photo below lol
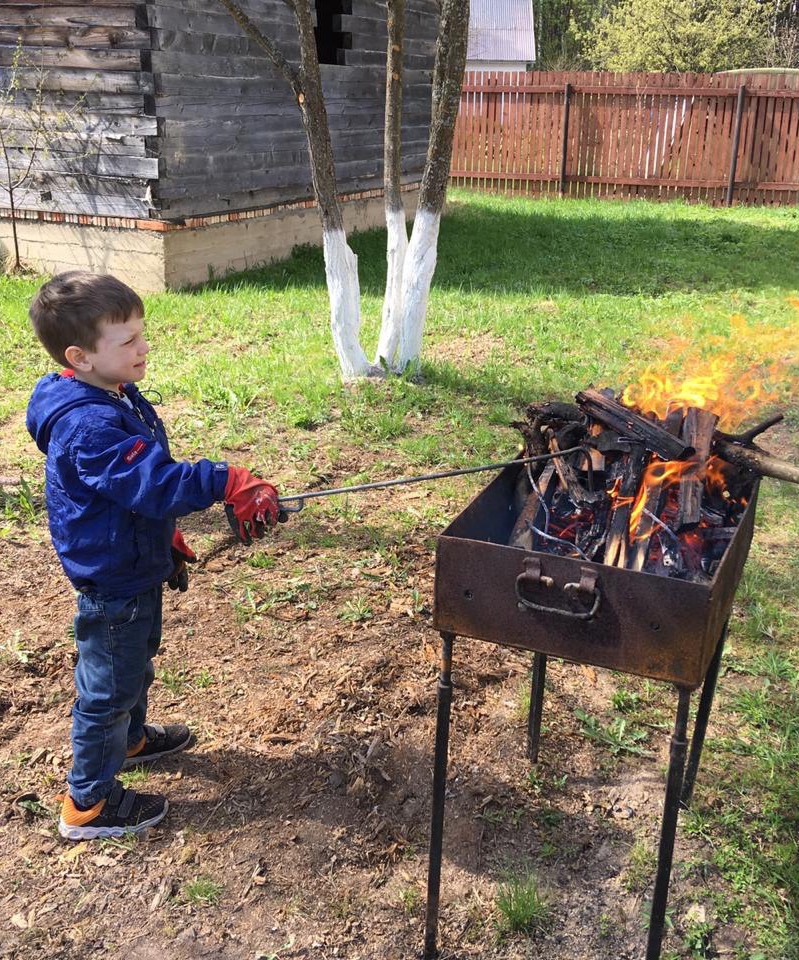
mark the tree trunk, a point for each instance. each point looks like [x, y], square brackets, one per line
[420, 261]
[10, 186]
[397, 233]
[410, 265]
[341, 264]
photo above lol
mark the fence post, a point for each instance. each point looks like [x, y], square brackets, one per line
[564, 135]
[736, 142]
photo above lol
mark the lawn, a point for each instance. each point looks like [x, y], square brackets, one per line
[307, 665]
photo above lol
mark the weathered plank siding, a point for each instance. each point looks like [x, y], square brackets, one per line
[230, 132]
[91, 62]
[176, 113]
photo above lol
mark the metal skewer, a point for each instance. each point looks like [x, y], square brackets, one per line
[295, 502]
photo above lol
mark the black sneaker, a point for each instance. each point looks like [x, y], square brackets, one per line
[123, 811]
[157, 742]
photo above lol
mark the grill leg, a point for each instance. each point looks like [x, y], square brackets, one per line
[671, 809]
[439, 789]
[702, 715]
[536, 705]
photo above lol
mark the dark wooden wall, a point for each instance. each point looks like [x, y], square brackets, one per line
[230, 131]
[166, 109]
[89, 60]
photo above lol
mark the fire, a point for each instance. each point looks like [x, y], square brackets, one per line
[715, 480]
[661, 474]
[732, 382]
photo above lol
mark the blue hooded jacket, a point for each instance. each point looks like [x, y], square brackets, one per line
[113, 490]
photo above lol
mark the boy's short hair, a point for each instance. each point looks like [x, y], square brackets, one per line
[68, 310]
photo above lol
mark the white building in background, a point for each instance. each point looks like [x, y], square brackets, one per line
[501, 35]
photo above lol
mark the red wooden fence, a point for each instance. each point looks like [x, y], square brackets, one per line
[718, 138]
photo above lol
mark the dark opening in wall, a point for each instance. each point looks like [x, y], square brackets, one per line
[331, 40]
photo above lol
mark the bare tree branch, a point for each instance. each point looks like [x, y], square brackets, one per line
[287, 71]
[757, 459]
[392, 134]
[453, 31]
[314, 117]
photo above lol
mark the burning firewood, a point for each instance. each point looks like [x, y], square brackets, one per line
[656, 495]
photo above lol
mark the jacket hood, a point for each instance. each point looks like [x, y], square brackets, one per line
[55, 395]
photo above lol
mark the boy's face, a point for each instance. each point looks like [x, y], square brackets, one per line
[119, 356]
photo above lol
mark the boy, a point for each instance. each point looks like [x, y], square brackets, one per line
[113, 492]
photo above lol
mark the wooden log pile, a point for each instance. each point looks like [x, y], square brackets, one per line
[662, 496]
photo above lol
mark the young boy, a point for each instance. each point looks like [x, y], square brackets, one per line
[113, 492]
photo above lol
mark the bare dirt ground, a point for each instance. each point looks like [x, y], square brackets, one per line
[305, 801]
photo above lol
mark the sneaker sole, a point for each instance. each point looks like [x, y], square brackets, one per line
[129, 762]
[95, 833]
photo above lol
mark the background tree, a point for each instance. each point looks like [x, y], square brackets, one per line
[561, 27]
[411, 264]
[783, 45]
[30, 132]
[683, 35]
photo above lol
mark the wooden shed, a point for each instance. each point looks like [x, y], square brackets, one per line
[179, 153]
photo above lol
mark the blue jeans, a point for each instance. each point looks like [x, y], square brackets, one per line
[117, 640]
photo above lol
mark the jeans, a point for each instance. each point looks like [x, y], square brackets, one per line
[117, 640]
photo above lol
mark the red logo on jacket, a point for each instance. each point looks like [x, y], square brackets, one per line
[135, 450]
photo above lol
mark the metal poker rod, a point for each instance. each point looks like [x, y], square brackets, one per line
[295, 502]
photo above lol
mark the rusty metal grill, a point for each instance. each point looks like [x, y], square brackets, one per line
[639, 623]
[654, 626]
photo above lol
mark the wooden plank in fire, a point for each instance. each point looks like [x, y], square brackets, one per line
[617, 543]
[698, 428]
[674, 420]
[522, 535]
[638, 549]
[631, 424]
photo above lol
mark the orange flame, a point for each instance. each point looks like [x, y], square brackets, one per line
[661, 474]
[735, 382]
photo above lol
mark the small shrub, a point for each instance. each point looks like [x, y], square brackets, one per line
[523, 907]
[203, 891]
[410, 898]
[640, 867]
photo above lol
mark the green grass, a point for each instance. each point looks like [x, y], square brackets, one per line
[640, 870]
[202, 891]
[531, 300]
[521, 905]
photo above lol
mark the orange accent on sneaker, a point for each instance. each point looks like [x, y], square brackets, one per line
[77, 818]
[134, 751]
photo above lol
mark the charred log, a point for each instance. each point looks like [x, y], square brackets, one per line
[631, 424]
[618, 534]
[578, 494]
[697, 432]
[755, 459]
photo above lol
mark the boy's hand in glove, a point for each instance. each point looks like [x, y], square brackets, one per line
[251, 504]
[181, 555]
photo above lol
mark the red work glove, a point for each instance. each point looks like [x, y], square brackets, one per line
[251, 504]
[181, 555]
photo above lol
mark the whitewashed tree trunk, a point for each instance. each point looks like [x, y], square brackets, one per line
[420, 259]
[341, 271]
[410, 265]
[391, 326]
[417, 275]
[405, 304]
